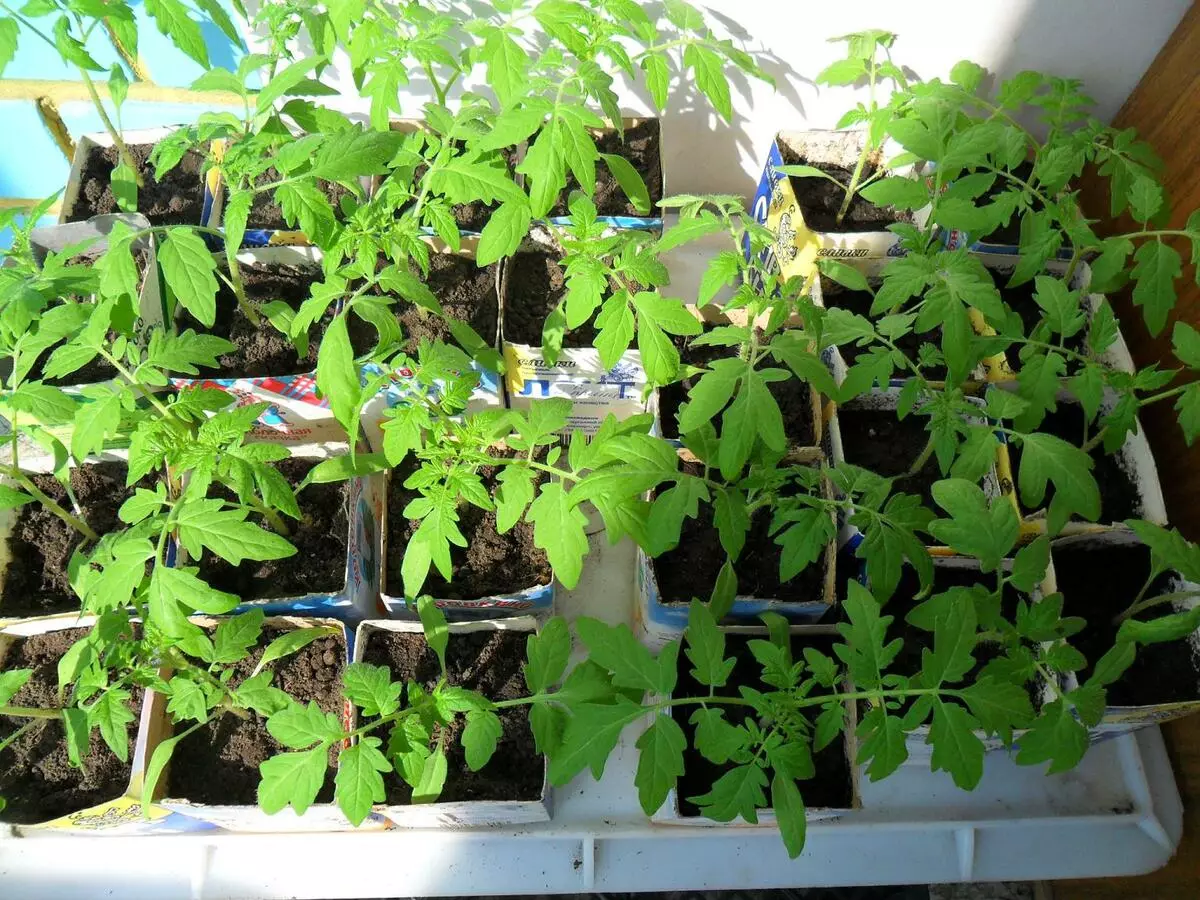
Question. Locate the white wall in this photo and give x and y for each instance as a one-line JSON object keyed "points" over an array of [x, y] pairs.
{"points": [[1106, 43]]}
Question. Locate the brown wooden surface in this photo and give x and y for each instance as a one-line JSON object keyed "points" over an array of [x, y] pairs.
{"points": [[1165, 109]]}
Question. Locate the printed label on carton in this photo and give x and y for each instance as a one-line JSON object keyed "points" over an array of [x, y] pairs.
{"points": [[579, 376]]}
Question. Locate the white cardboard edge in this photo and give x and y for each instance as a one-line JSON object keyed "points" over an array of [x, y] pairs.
{"points": [[459, 814]]}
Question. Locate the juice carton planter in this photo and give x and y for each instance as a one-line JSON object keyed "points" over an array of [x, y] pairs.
{"points": [[797, 246], [246, 818], [465, 813], [535, 599]]}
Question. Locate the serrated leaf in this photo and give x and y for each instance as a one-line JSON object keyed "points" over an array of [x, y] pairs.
{"points": [[1156, 266], [706, 647], [299, 727], [546, 655], [590, 736], [660, 762], [371, 689], [359, 783], [479, 738], [292, 779], [188, 267], [559, 529]]}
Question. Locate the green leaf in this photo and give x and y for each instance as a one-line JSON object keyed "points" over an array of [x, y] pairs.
{"points": [[187, 701], [359, 783], [502, 234], [337, 377], [716, 739], [437, 631], [75, 723], [507, 64], [615, 648], [371, 689], [590, 737], [8, 42], [1113, 664], [10, 498], [789, 813], [299, 727], [1172, 627], [546, 654], [285, 81], [660, 761], [976, 529], [953, 642], [999, 706], [1056, 736], [956, 748], [559, 529], [1185, 341], [203, 523], [658, 79], [182, 586], [479, 737], [1046, 458], [897, 191], [292, 779], [865, 652], [292, 642], [12, 681], [173, 20], [630, 181], [1156, 267], [1030, 563], [709, 72], [306, 206], [881, 743], [706, 647], [111, 714], [739, 792], [188, 267], [967, 75]]}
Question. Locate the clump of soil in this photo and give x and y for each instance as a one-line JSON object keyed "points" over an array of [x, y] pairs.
{"points": [[321, 538], [820, 199], [1099, 582], [266, 213], [37, 781], [218, 763], [41, 544], [875, 439], [536, 285], [1020, 300], [642, 147], [690, 570], [1119, 497], [859, 302], [176, 200], [490, 564], [793, 396], [467, 294], [489, 662], [830, 788]]}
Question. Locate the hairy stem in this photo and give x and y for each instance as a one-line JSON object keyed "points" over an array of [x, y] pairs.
{"points": [[30, 712], [112, 130], [50, 504]]}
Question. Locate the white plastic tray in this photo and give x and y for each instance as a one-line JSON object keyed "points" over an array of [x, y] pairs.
{"points": [[1117, 814]]}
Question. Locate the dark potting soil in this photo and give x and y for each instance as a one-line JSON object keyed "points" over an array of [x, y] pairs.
{"points": [[1020, 300], [642, 147], [218, 763], [321, 538], [537, 283], [176, 200], [859, 302], [489, 662], [1119, 498], [41, 544], [490, 564], [690, 570], [793, 396], [37, 780], [265, 211], [875, 439], [1099, 582], [467, 294], [820, 199], [830, 788]]}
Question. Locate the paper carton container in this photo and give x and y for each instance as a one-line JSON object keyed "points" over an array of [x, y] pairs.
{"points": [[357, 596], [121, 815], [1134, 459], [536, 599], [956, 239], [797, 247], [85, 143], [652, 222], [1120, 720], [917, 739], [462, 813], [997, 483], [997, 368], [578, 375], [796, 453], [670, 813], [402, 385], [33, 457], [238, 818], [659, 621]]}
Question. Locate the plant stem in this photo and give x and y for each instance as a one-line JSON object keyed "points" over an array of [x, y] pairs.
{"points": [[854, 187], [919, 464], [30, 712], [112, 130], [1137, 605], [274, 519], [12, 738], [50, 504]]}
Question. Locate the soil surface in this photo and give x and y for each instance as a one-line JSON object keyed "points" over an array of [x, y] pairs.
{"points": [[793, 396], [37, 780], [176, 200], [1101, 582], [875, 439], [321, 538], [690, 570], [266, 213], [467, 294], [490, 564], [830, 788], [642, 147], [489, 662], [536, 286], [860, 302], [820, 199], [1020, 300], [41, 544], [218, 763], [1119, 498]]}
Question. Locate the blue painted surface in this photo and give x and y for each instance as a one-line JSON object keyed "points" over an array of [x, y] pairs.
{"points": [[31, 165]]}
